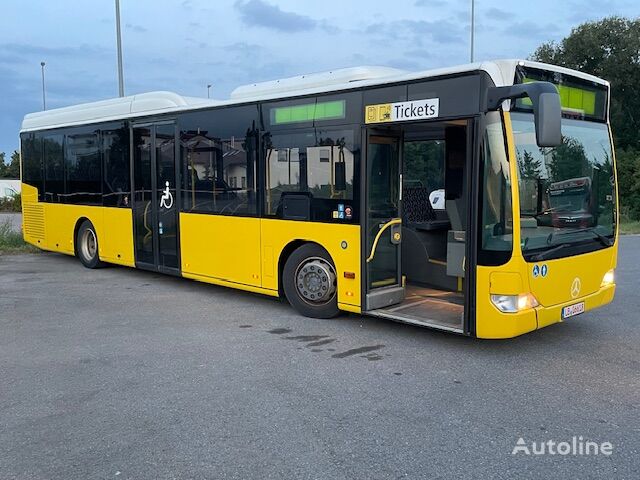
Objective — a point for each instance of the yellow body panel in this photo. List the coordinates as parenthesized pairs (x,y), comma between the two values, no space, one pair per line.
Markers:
(52,226)
(277,234)
(222,247)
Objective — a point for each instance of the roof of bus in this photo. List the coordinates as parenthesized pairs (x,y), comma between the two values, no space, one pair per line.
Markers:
(502,73)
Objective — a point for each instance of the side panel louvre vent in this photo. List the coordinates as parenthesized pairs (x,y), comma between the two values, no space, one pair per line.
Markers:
(33,221)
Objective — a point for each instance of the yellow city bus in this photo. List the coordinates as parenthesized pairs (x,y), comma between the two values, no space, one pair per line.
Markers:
(423,197)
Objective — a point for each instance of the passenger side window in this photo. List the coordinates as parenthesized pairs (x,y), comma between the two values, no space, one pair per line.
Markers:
(315,163)
(53,153)
(219,150)
(32,171)
(117,175)
(83,169)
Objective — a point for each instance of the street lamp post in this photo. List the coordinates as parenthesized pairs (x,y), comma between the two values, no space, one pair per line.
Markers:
(119,46)
(473,14)
(209,91)
(44,98)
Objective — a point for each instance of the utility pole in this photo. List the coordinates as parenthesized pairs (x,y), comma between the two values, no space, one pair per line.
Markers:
(208,91)
(44,98)
(473,14)
(119,46)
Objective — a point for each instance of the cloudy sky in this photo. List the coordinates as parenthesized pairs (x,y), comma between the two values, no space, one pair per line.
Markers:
(183,45)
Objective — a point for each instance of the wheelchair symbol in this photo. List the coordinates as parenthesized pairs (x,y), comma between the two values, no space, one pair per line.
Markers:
(166,200)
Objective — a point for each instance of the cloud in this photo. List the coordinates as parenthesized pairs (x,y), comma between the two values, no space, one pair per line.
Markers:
(431,3)
(25,49)
(262,14)
(415,31)
(494,13)
(135,28)
(529,29)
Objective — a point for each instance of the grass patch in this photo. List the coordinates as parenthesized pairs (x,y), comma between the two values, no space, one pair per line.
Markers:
(629,227)
(11,241)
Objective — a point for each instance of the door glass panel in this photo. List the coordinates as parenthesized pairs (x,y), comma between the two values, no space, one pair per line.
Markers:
(383,206)
(166,196)
(142,195)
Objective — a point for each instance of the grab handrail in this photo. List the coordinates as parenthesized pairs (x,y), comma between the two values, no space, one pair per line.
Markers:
(393,221)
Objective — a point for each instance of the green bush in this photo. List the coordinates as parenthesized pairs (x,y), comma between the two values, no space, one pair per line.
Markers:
(11,204)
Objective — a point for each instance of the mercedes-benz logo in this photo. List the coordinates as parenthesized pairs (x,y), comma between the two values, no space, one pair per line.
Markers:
(575,287)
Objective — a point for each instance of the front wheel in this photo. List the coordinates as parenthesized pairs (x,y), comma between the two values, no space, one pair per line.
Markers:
(310,282)
(87,246)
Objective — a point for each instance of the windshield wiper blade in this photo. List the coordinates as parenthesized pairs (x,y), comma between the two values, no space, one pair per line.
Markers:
(606,241)
(544,255)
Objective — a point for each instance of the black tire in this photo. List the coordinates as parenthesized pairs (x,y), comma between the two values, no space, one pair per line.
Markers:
(87,246)
(310,272)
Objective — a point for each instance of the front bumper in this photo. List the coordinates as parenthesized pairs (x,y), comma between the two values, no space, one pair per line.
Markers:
(549,315)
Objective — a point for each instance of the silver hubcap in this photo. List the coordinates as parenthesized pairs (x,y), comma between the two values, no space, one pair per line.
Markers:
(316,281)
(89,244)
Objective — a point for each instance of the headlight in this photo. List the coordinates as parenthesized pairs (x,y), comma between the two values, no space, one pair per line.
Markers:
(514,303)
(608,279)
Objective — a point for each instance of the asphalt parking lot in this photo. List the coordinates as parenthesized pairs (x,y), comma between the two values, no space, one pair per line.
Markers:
(117,373)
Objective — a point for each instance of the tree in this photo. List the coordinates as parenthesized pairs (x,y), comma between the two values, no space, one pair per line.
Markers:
(610,49)
(14,165)
(568,160)
(12,170)
(529,166)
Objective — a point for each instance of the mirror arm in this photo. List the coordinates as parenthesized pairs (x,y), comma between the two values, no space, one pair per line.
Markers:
(533,90)
(547,110)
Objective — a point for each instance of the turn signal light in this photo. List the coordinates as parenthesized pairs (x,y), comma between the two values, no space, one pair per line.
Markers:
(350,275)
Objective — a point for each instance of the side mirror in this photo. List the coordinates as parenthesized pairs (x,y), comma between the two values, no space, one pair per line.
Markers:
(547,110)
(340,176)
(548,119)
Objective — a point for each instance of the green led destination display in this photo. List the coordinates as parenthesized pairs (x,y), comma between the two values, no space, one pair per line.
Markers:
(311,112)
(572,98)
(580,98)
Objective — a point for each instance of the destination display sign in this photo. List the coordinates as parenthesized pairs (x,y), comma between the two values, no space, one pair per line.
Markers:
(402,111)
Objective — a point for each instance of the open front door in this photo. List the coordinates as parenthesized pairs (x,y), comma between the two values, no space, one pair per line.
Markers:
(155,197)
(419,218)
(382,222)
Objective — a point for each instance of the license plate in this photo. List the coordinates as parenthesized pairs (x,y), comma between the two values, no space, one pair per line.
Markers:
(572,310)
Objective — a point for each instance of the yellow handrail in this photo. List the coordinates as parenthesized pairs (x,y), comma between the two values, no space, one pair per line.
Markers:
(144,222)
(395,221)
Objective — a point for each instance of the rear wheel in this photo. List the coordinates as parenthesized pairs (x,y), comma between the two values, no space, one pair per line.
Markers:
(310,282)
(87,246)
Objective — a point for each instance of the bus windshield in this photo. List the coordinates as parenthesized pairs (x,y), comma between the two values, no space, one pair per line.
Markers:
(567,195)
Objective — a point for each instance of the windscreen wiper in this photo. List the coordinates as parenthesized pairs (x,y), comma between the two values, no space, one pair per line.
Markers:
(544,255)
(606,241)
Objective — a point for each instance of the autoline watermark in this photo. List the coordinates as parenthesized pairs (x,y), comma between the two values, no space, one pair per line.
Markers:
(576,446)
